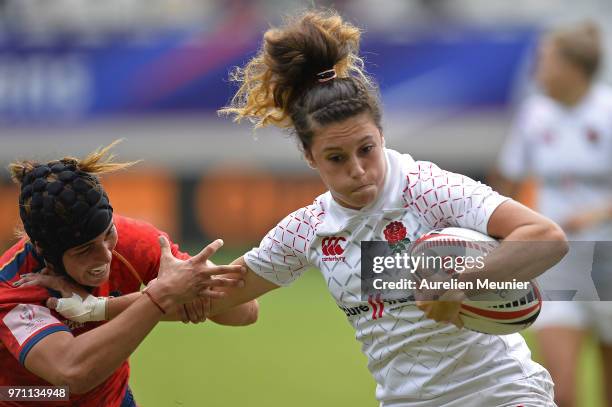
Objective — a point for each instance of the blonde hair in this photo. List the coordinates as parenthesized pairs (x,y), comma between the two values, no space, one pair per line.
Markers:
(580,44)
(286,67)
(98,162)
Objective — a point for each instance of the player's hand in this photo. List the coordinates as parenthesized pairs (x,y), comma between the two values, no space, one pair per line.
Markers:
(47,278)
(195,312)
(445,309)
(186,280)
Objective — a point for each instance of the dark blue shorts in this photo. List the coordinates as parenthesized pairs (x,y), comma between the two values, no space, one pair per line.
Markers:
(128,398)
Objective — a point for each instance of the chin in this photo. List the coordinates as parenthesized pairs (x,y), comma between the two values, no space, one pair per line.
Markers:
(360,202)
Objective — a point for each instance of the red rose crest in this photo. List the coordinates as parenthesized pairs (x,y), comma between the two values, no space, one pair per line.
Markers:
(395,232)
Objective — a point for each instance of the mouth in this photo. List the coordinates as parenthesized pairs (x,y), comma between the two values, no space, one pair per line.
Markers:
(98,272)
(363,187)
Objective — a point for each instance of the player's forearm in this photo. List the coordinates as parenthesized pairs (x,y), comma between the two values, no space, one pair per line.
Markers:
(524,254)
(95,355)
(254,287)
(240,315)
(116,305)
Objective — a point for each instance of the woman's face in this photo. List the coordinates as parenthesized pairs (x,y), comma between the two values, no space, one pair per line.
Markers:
(89,263)
(554,73)
(350,158)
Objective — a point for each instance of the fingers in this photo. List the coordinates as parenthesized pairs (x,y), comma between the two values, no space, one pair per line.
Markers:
(206,307)
(183,312)
(457,321)
(194,312)
(200,304)
(31,279)
(224,282)
(198,307)
(52,303)
(442,311)
(165,246)
(190,309)
(218,270)
(28,283)
(208,293)
(208,251)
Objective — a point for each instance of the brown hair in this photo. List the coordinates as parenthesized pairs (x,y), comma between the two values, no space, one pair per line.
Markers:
(279,86)
(580,44)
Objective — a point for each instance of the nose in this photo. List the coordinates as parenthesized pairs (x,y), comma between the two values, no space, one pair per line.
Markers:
(356,168)
(104,254)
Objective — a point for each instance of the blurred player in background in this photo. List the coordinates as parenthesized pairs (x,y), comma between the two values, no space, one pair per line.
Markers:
(308,78)
(75,244)
(563,138)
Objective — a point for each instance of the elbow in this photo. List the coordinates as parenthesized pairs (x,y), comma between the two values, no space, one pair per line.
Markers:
(253,313)
(77,381)
(557,238)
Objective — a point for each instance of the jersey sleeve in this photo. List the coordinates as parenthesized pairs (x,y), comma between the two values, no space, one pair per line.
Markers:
(513,160)
(22,326)
(444,199)
(282,254)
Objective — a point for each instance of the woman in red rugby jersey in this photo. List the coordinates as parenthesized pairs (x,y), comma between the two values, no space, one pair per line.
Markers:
(71,231)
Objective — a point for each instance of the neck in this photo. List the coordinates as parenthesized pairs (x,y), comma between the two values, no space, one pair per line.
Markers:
(574,94)
(345,204)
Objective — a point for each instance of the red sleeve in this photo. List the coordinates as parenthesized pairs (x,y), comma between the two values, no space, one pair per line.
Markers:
(24,321)
(139,244)
(23,325)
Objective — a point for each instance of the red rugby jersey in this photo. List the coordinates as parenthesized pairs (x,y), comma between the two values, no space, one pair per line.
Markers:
(25,320)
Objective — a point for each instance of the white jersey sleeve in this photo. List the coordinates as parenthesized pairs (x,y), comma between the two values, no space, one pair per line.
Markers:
(443,199)
(282,255)
(513,161)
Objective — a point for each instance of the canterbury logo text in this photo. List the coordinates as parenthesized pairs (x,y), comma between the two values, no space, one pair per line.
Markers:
(332,248)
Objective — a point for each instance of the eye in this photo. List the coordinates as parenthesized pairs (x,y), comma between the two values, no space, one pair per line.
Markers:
(110,231)
(367,149)
(84,251)
(335,158)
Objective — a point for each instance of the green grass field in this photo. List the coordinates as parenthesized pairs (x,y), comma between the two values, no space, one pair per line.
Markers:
(301,352)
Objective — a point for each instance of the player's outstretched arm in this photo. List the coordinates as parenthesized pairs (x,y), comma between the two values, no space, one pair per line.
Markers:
(84,308)
(254,287)
(85,361)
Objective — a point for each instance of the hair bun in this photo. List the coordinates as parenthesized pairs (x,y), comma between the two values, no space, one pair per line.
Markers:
(288,64)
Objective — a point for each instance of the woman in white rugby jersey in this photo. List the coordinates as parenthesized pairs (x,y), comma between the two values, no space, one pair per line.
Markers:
(308,78)
(563,137)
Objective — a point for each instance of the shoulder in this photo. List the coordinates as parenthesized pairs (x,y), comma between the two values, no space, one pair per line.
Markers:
(19,259)
(137,239)
(134,228)
(536,107)
(306,220)
(426,181)
(602,95)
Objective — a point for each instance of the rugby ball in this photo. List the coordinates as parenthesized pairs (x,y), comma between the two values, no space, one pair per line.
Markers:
(500,311)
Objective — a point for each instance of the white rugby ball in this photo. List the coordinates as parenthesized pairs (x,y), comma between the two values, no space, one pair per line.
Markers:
(498,312)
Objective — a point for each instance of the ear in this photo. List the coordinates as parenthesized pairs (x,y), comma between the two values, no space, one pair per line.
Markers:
(310,160)
(382,139)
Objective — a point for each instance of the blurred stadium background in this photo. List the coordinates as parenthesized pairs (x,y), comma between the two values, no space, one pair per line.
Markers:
(77,74)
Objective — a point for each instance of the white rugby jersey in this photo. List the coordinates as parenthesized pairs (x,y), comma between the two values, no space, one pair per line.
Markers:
(415,361)
(569,149)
